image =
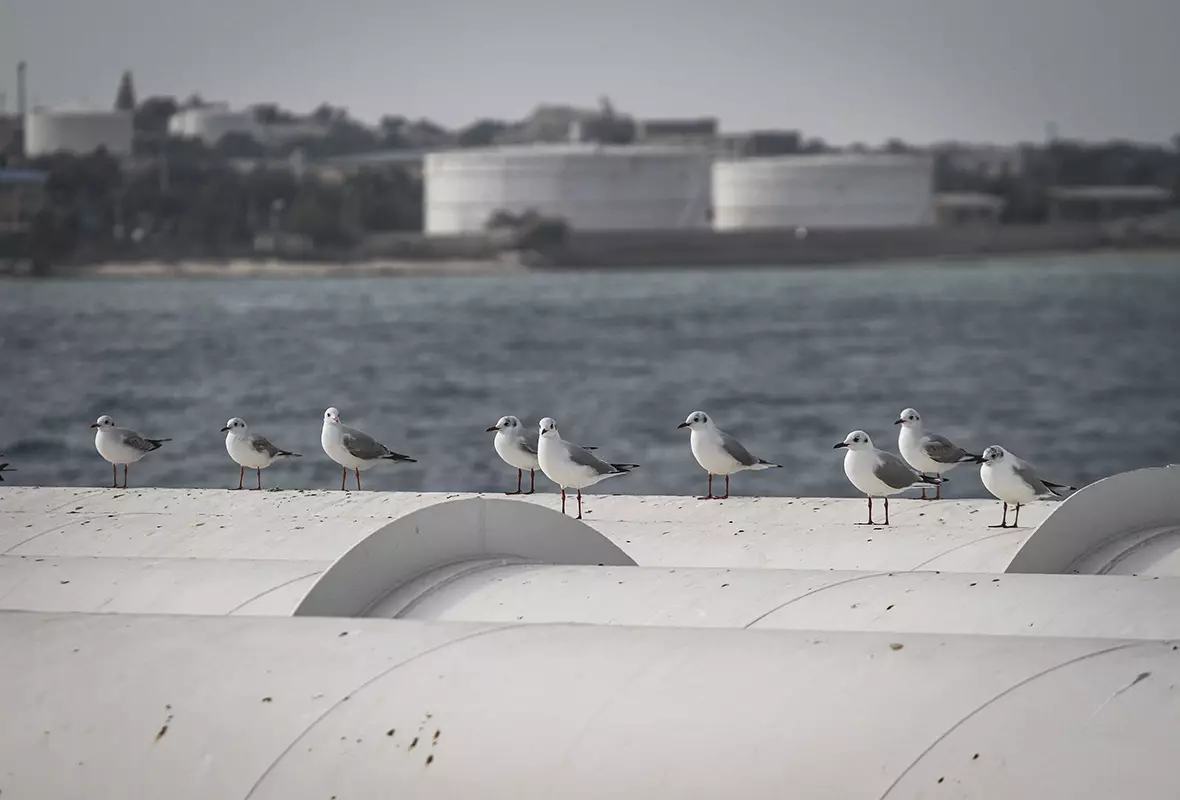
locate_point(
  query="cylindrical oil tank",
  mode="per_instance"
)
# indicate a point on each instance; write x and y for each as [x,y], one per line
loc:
[839,191]
[592,187]
[80,132]
[118,706]
[211,123]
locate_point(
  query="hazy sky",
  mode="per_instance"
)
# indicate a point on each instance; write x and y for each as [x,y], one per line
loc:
[847,70]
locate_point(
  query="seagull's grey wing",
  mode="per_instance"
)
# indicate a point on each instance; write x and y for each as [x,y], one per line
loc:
[1026,473]
[263,445]
[137,442]
[943,450]
[362,445]
[530,441]
[894,472]
[737,451]
[584,458]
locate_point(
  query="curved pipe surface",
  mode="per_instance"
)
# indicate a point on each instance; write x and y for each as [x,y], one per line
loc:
[104,706]
[448,533]
[1125,524]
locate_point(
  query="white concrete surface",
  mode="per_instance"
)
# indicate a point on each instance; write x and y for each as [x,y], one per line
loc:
[591,186]
[116,706]
[318,526]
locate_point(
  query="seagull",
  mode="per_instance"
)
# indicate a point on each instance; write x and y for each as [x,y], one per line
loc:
[718,453]
[121,446]
[353,449]
[518,447]
[877,473]
[570,466]
[4,468]
[251,449]
[1014,481]
[929,453]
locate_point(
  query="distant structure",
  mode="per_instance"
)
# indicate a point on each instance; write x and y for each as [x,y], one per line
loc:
[871,190]
[211,122]
[699,131]
[590,186]
[78,131]
[1106,203]
[954,209]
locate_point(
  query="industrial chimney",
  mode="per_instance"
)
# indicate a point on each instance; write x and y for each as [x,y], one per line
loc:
[20,89]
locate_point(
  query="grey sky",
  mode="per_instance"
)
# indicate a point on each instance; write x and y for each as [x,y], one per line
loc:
[994,70]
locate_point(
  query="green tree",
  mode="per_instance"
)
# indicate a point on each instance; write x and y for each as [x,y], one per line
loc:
[125,99]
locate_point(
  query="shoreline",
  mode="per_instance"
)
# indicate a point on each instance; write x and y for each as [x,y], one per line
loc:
[280,268]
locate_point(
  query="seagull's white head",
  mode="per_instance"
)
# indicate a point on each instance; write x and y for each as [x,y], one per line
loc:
[857,440]
[994,454]
[508,424]
[697,420]
[909,418]
[237,425]
[104,422]
[332,415]
[548,427]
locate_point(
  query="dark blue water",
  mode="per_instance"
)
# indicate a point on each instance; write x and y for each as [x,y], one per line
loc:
[1070,362]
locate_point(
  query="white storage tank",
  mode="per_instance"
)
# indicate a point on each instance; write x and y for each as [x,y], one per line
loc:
[211,123]
[854,190]
[590,186]
[78,131]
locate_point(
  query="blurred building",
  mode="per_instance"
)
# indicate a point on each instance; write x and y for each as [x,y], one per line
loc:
[968,208]
[846,190]
[78,131]
[213,121]
[700,131]
[590,186]
[989,161]
[210,123]
[1103,203]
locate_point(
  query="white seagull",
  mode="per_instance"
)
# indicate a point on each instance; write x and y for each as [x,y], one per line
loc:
[1014,481]
[353,449]
[251,450]
[517,446]
[929,453]
[718,453]
[877,473]
[570,466]
[121,446]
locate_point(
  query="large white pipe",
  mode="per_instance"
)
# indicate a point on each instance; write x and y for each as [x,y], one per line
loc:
[116,706]
[746,532]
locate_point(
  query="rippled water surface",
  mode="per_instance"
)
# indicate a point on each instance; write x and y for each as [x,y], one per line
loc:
[1072,363]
